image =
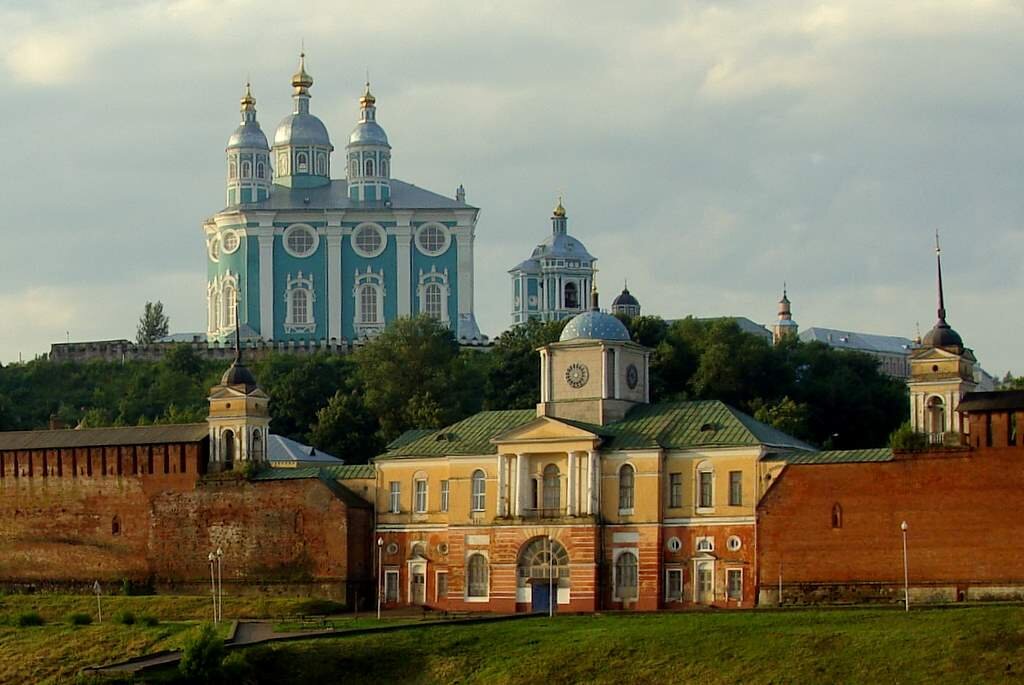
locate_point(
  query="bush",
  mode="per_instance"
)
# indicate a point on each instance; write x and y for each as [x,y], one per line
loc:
[125,618]
[149,621]
[201,658]
[29,618]
[79,619]
[906,439]
[317,606]
[237,669]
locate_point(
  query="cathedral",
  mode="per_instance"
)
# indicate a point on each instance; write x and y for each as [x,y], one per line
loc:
[302,256]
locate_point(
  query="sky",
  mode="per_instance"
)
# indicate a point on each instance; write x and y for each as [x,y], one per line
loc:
[707,152]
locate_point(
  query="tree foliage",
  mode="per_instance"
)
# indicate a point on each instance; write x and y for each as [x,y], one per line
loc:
[153,324]
[513,372]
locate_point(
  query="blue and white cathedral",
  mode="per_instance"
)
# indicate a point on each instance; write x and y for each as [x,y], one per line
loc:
[307,257]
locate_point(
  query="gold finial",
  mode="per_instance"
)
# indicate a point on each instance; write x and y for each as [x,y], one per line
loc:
[367,100]
[248,101]
[301,81]
[560,210]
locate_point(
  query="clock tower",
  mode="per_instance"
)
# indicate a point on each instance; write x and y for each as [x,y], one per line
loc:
[594,373]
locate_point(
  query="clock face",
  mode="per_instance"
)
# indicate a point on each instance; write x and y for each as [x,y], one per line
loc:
[577,375]
[632,376]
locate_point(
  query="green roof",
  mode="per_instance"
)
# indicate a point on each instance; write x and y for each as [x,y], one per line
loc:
[349,471]
[834,456]
[469,436]
[669,425]
[407,437]
[340,472]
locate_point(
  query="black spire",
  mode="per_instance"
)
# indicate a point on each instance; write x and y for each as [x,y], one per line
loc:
[938,264]
[942,334]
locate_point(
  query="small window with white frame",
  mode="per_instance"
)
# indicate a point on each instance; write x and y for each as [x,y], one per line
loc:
[734,584]
[421,495]
[673,585]
[626,574]
[479,490]
[444,495]
[705,486]
[674,544]
[395,497]
[705,544]
[390,587]
[733,543]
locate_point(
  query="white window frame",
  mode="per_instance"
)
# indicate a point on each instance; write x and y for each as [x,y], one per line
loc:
[669,571]
[734,543]
[395,497]
[635,551]
[487,563]
[368,279]
[671,492]
[704,543]
[674,544]
[368,226]
[696,579]
[420,491]
[445,232]
[392,573]
[223,241]
[626,511]
[445,493]
[439,279]
[213,249]
[702,468]
[728,594]
[303,227]
[475,505]
[304,283]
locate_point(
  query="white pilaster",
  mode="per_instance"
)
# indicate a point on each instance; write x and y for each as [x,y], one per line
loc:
[604,374]
[334,299]
[465,233]
[616,372]
[502,481]
[595,482]
[544,376]
[571,486]
[403,255]
[516,489]
[267,286]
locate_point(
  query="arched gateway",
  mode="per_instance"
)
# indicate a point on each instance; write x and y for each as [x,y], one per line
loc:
[542,569]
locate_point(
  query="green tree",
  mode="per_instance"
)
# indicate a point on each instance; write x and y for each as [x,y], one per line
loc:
[786,415]
[346,428]
[649,331]
[202,656]
[153,325]
[299,387]
[513,375]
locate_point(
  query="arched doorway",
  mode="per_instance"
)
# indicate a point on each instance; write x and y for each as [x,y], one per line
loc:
[936,416]
[542,569]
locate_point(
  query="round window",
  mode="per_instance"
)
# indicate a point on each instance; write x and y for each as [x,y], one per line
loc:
[368,240]
[300,240]
[230,242]
[733,543]
[442,548]
[674,544]
[392,548]
[215,249]
[432,239]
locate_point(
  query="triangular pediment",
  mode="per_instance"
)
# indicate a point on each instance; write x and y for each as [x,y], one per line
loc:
[545,429]
[219,392]
[931,353]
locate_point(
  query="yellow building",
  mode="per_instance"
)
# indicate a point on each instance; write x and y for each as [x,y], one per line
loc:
[596,499]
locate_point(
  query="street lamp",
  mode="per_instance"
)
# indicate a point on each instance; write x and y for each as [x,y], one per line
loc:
[906,572]
[380,572]
[213,586]
[220,584]
[551,575]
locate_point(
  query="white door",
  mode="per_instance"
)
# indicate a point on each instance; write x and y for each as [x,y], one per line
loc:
[705,582]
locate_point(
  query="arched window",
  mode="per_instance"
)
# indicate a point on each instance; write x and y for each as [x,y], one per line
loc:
[282,164]
[246,169]
[115,525]
[626,576]
[353,168]
[432,300]
[257,445]
[368,167]
[215,313]
[837,516]
[302,163]
[551,487]
[232,169]
[572,296]
[479,490]
[321,164]
[299,298]
[368,304]
[261,170]
[705,485]
[626,479]
[229,450]
[476,576]
[384,168]
[230,299]
[936,415]
[300,306]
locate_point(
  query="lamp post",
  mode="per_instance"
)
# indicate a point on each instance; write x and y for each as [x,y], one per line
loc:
[551,575]
[906,571]
[213,586]
[220,584]
[99,608]
[380,573]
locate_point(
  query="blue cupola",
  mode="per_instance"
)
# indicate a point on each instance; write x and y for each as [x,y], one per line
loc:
[248,157]
[302,147]
[369,155]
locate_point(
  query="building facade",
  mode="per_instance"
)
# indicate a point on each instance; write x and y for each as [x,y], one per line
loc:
[596,499]
[302,256]
[554,282]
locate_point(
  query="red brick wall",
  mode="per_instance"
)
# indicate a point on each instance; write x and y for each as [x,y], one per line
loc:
[963,510]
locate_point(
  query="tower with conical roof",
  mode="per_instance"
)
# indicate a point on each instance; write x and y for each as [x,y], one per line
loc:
[552,284]
[784,326]
[248,157]
[941,372]
[369,155]
[239,417]
[302,147]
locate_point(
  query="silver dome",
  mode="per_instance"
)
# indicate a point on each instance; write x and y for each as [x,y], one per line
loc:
[561,246]
[301,129]
[368,133]
[248,135]
[594,325]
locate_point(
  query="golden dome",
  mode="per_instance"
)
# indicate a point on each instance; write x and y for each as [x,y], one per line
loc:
[301,80]
[367,100]
[248,101]
[560,210]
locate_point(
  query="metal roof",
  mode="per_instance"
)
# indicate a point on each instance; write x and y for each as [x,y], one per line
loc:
[469,436]
[863,342]
[104,437]
[878,454]
[280,448]
[989,401]
[407,437]
[339,472]
[334,195]
[594,325]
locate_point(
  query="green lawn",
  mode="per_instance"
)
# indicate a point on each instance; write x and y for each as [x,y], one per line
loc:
[959,645]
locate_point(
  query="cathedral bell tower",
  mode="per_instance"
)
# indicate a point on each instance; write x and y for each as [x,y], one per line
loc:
[941,373]
[369,155]
[239,417]
[248,157]
[784,326]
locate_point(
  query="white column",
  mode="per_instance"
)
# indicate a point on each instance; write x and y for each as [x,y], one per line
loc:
[403,265]
[334,283]
[595,482]
[604,373]
[267,286]
[502,482]
[617,373]
[517,495]
[544,376]
[571,486]
[464,236]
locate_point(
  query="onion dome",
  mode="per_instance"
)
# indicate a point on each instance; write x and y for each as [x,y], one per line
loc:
[594,325]
[625,299]
[300,127]
[367,130]
[248,134]
[238,373]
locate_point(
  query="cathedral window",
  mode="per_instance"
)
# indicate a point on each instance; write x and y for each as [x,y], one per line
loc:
[229,451]
[433,239]
[384,168]
[369,300]
[232,170]
[476,576]
[299,298]
[572,296]
[368,167]
[433,294]
[300,240]
[321,164]
[261,170]
[214,249]
[302,163]
[246,169]
[353,168]
[368,240]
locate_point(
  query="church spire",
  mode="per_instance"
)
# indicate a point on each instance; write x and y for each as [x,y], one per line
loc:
[938,264]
